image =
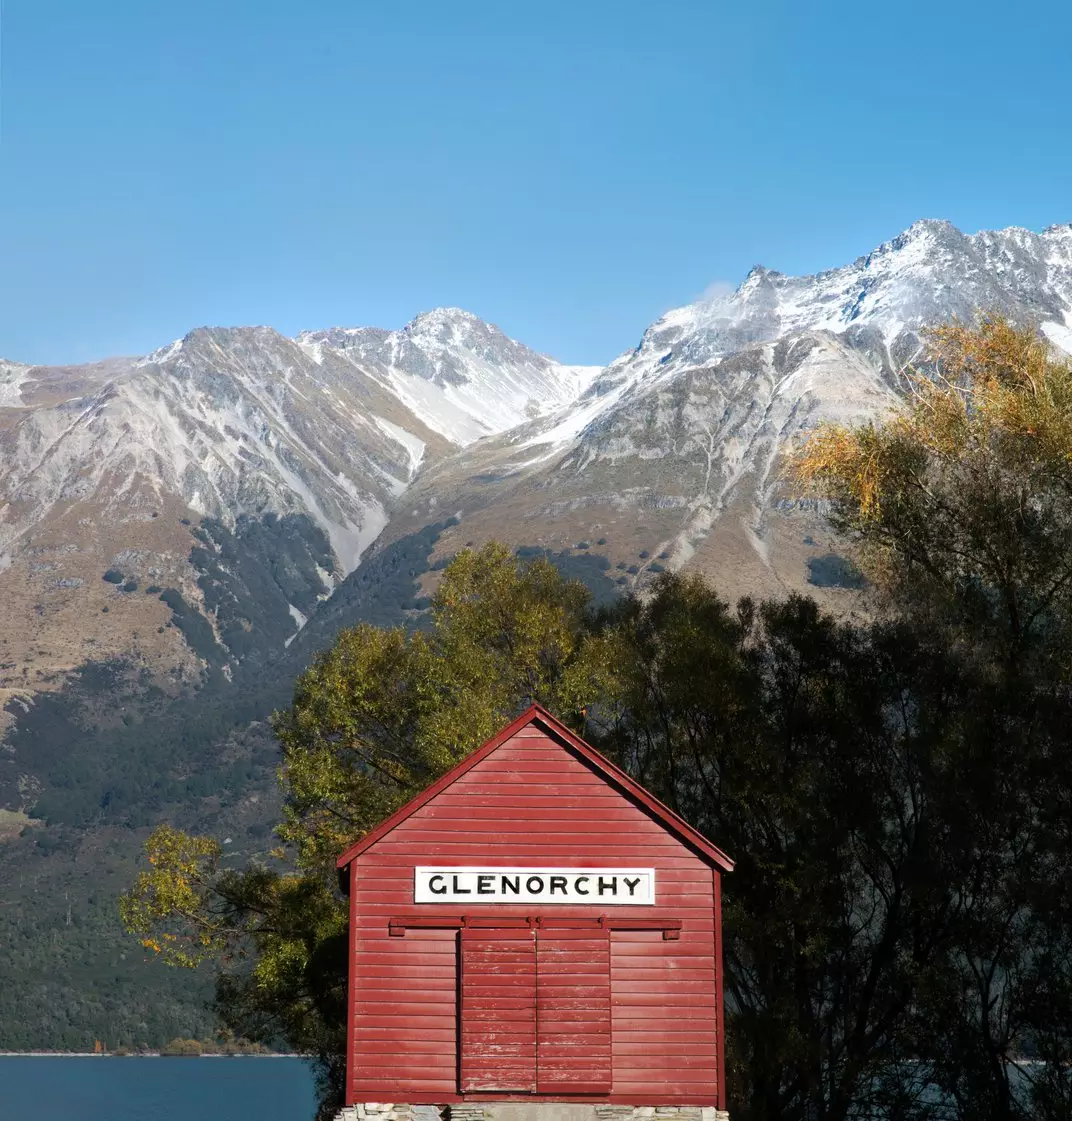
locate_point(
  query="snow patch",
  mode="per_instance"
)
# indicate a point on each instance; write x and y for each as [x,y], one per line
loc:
[414,445]
[299,619]
[328,580]
[1060,334]
[12,378]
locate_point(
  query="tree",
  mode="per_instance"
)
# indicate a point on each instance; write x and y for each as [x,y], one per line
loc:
[375,718]
[384,712]
[961,505]
[809,750]
[961,502]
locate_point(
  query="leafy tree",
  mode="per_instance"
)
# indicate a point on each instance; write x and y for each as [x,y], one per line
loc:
[962,501]
[961,505]
[374,720]
[808,750]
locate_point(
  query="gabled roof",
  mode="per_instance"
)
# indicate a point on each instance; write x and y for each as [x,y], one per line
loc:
[613,775]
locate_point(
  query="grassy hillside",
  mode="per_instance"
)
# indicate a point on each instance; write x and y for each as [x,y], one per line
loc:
[89,769]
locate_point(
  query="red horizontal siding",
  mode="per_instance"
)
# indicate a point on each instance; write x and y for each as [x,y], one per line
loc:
[533,802]
[573,1011]
[497,974]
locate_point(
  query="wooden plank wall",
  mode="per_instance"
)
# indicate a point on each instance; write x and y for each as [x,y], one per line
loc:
[531,801]
[574,1014]
[497,1010]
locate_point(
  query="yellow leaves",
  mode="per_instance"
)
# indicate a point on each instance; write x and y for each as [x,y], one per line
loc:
[962,494]
[995,390]
[1016,389]
[844,463]
[174,893]
[993,354]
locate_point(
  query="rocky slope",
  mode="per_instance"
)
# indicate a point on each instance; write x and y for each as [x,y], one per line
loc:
[241,474]
[674,454]
[229,452]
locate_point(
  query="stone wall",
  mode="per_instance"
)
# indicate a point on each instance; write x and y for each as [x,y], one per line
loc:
[527,1111]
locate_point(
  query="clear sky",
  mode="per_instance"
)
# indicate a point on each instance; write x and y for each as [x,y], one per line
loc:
[568,170]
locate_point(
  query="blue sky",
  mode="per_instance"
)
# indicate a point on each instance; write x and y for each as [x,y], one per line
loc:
[567,170]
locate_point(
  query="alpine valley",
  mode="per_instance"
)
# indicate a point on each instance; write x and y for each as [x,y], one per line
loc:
[181,532]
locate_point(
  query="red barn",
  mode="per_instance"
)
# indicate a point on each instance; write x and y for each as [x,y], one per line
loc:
[535,927]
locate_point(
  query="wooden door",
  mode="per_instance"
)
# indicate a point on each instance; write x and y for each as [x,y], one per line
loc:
[497,1010]
[573,1050]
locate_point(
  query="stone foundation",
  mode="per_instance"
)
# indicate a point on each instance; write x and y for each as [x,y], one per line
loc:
[528,1111]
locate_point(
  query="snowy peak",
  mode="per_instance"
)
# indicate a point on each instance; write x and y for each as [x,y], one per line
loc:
[676,450]
[463,377]
[930,273]
[244,422]
[459,330]
[447,346]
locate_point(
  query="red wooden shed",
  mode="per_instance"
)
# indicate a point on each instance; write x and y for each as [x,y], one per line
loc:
[535,927]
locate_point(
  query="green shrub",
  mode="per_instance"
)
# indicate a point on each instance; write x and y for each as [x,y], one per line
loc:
[194,626]
[832,571]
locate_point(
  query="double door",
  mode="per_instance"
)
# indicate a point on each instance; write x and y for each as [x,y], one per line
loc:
[534,1010]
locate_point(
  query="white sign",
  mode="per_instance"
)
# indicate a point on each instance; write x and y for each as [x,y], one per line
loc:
[597,886]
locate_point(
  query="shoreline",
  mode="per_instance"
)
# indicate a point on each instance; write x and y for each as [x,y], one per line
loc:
[144,1055]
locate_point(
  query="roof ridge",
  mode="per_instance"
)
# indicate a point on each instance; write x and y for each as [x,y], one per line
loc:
[672,821]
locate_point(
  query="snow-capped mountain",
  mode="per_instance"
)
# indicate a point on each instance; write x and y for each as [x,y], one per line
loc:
[248,472]
[113,466]
[675,450]
[930,273]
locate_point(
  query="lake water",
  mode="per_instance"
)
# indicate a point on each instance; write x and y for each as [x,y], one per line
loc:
[51,1088]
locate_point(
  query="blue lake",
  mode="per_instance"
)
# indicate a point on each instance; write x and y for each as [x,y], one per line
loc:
[50,1088]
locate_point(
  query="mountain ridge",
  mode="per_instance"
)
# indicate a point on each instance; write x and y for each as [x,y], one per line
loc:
[730,384]
[110,466]
[371,433]
[181,532]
